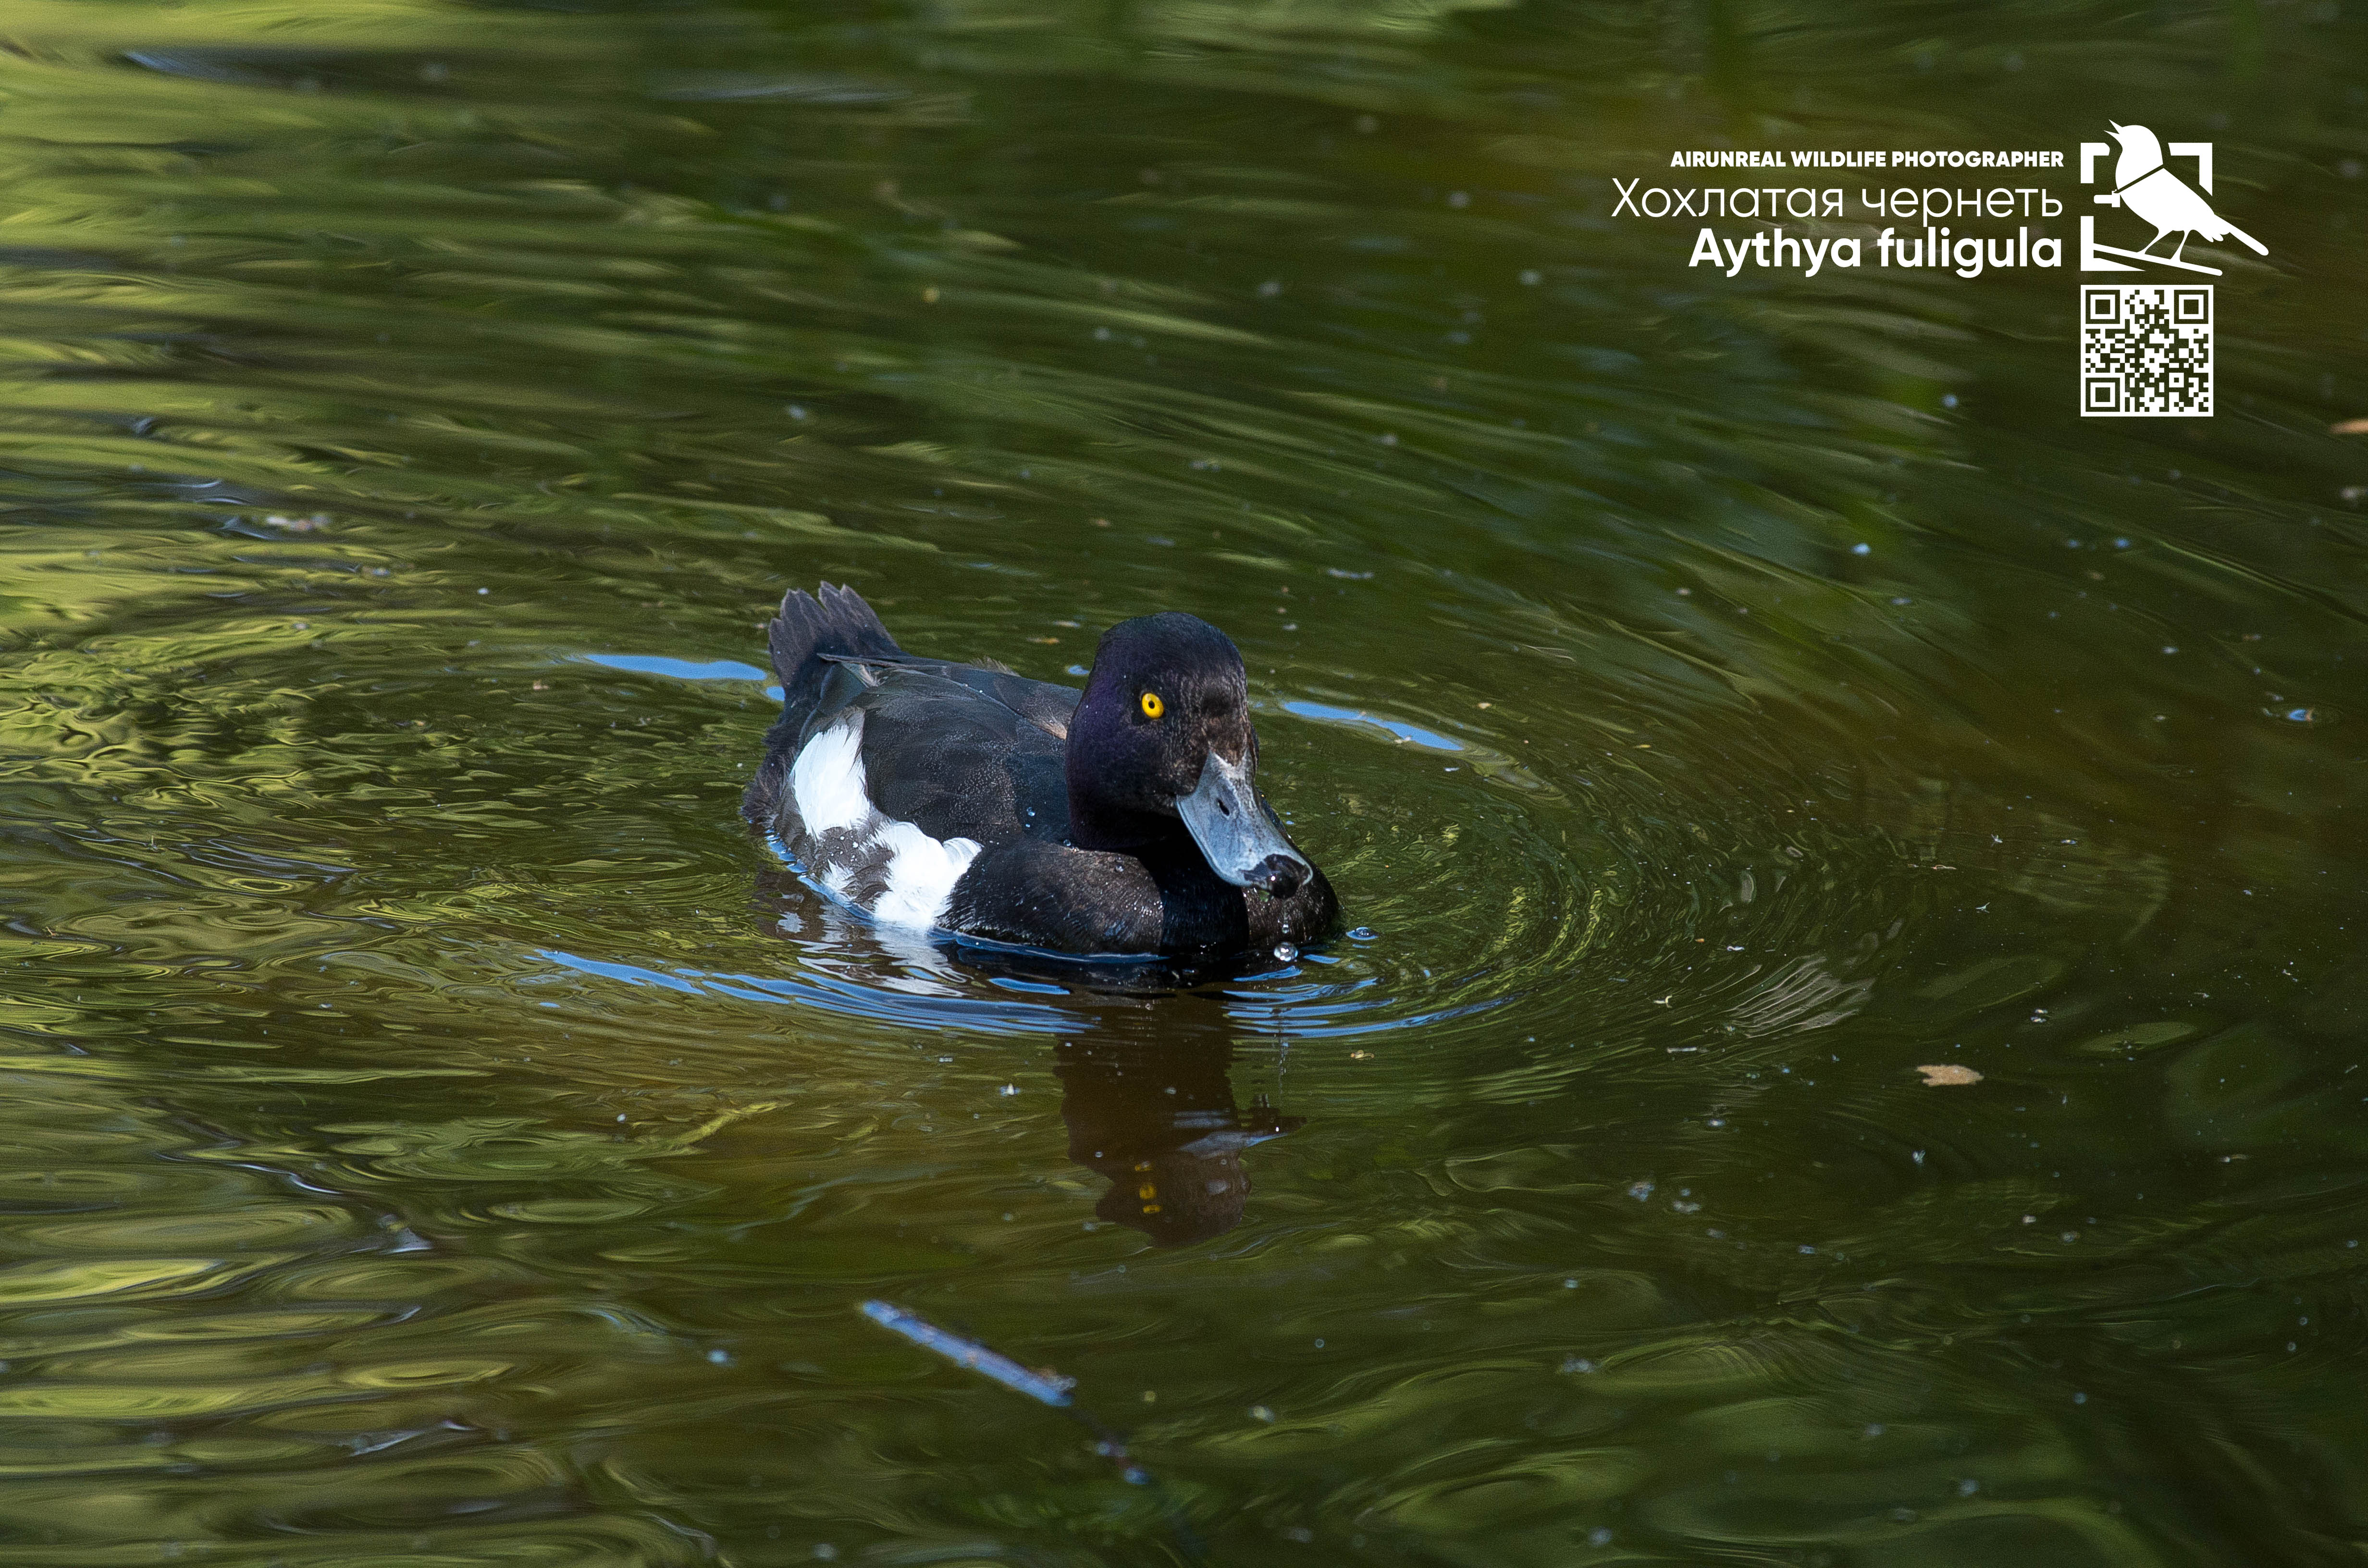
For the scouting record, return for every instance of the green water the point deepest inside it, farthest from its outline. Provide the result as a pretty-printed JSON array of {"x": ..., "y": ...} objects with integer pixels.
[{"x": 435, "y": 1134}]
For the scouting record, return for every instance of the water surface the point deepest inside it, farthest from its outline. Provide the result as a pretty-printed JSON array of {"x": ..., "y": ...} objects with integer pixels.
[{"x": 436, "y": 1133}]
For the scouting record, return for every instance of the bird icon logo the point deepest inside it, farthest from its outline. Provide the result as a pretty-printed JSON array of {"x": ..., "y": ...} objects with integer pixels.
[{"x": 2144, "y": 187}]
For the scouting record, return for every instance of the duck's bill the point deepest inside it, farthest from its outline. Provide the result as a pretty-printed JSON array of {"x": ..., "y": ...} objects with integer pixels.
[{"x": 1234, "y": 829}]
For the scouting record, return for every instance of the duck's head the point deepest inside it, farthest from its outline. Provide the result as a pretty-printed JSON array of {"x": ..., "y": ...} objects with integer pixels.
[{"x": 1162, "y": 740}]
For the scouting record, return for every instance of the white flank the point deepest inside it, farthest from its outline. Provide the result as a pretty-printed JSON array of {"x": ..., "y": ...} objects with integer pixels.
[
  {"x": 922, "y": 872},
  {"x": 826, "y": 781},
  {"x": 828, "y": 787}
]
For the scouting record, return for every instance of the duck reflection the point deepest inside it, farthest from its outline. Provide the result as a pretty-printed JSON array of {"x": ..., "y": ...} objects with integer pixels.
[
  {"x": 1160, "y": 1122},
  {"x": 1144, "y": 1058}
]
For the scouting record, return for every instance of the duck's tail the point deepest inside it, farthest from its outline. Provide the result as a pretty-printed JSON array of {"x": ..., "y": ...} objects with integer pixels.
[{"x": 835, "y": 622}]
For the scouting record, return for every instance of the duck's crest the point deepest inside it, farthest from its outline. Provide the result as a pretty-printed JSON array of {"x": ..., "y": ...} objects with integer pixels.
[{"x": 811, "y": 627}]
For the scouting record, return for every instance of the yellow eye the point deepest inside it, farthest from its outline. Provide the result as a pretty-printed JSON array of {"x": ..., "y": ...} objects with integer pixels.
[{"x": 1152, "y": 707}]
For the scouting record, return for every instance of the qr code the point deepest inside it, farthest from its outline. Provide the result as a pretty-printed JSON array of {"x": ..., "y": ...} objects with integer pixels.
[{"x": 2145, "y": 349}]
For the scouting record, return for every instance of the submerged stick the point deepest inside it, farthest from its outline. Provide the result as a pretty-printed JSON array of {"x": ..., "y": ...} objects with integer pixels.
[
  {"x": 1042, "y": 1384},
  {"x": 1044, "y": 1387}
]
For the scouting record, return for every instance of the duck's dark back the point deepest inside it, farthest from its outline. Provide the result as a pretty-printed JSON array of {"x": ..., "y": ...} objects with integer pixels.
[
  {"x": 957, "y": 750},
  {"x": 955, "y": 761}
]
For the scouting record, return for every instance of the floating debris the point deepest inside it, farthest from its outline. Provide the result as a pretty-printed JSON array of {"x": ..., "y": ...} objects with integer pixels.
[
  {"x": 1039, "y": 1383},
  {"x": 1044, "y": 1386},
  {"x": 1942, "y": 1074}
]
